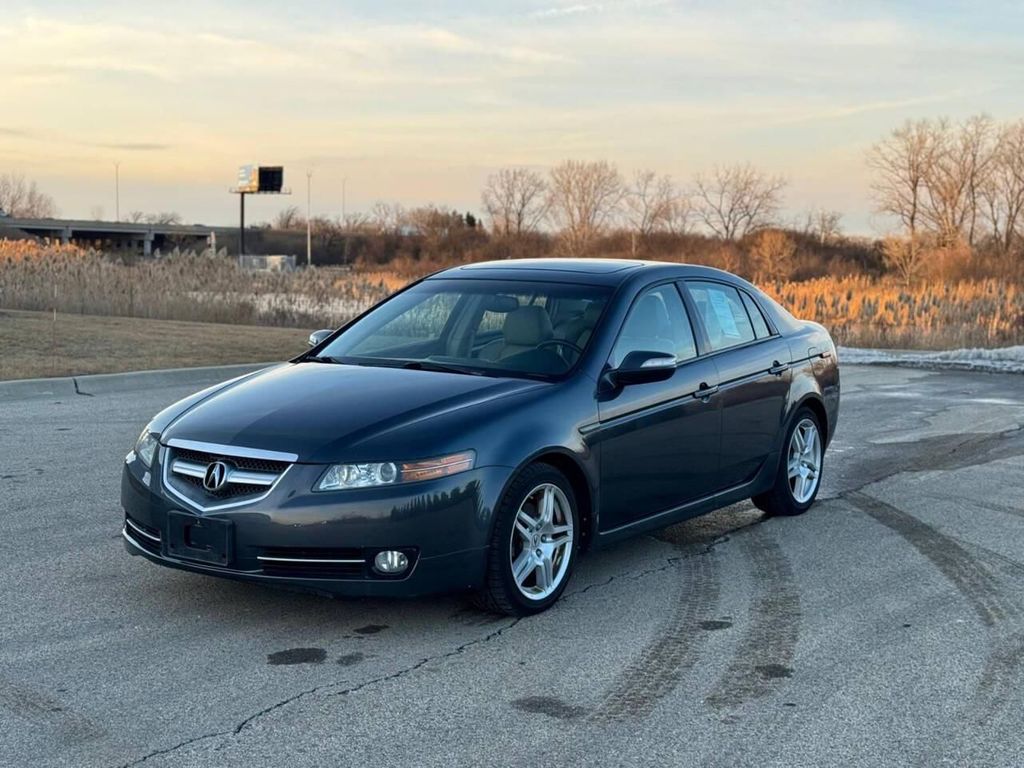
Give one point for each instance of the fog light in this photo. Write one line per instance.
(391, 561)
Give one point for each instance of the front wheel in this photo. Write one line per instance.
(534, 545)
(799, 475)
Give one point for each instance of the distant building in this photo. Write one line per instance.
(119, 236)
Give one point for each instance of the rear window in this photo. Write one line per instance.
(760, 324)
(725, 318)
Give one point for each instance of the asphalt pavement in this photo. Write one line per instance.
(884, 627)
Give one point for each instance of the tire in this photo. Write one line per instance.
(795, 495)
(556, 540)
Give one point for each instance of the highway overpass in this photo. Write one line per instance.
(113, 235)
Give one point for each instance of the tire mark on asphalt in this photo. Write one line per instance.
(936, 453)
(965, 572)
(999, 678)
(42, 710)
(764, 656)
(971, 577)
(658, 669)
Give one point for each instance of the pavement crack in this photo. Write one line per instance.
(328, 689)
(74, 382)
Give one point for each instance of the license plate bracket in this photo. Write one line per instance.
(205, 539)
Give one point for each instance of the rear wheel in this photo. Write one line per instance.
(799, 476)
(534, 545)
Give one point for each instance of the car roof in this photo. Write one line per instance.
(591, 271)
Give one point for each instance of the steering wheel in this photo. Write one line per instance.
(562, 343)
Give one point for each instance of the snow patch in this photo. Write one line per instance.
(999, 360)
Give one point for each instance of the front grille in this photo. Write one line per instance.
(313, 562)
(248, 477)
(145, 536)
(242, 462)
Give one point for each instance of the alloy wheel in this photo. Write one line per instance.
(804, 461)
(542, 542)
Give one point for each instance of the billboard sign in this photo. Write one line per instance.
(249, 178)
(260, 178)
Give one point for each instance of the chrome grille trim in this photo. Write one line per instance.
(265, 558)
(138, 530)
(233, 450)
(128, 537)
(227, 451)
(235, 476)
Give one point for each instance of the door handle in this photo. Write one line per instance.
(778, 368)
(704, 392)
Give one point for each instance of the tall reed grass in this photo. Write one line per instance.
(859, 311)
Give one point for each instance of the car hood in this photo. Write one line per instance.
(322, 412)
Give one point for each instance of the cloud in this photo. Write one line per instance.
(131, 146)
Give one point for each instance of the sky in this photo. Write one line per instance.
(418, 102)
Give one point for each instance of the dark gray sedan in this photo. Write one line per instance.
(483, 427)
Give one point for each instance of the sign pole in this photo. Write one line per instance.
(241, 228)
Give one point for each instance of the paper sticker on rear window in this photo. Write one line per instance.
(723, 312)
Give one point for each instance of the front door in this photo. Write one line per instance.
(658, 441)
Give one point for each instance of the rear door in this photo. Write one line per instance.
(753, 369)
(659, 443)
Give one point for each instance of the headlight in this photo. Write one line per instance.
(343, 476)
(145, 446)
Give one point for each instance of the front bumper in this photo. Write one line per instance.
(444, 525)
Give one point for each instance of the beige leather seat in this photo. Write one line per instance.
(578, 329)
(523, 330)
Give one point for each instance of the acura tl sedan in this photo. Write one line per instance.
(483, 427)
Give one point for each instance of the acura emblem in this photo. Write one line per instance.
(216, 476)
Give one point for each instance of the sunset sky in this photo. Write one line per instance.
(419, 102)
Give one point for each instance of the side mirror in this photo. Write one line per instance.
(316, 337)
(641, 367)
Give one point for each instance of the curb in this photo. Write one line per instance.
(107, 383)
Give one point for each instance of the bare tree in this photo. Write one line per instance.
(680, 215)
(979, 141)
(163, 218)
(904, 256)
(824, 225)
(961, 158)
(734, 200)
(650, 204)
(772, 255)
(902, 163)
(289, 218)
(387, 218)
(514, 200)
(135, 217)
(583, 198)
(22, 199)
(1002, 194)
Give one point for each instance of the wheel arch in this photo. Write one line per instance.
(817, 405)
(585, 492)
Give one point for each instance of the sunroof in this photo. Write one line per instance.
(588, 266)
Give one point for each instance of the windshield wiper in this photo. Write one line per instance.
(320, 359)
(430, 365)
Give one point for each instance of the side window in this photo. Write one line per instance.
(756, 316)
(657, 322)
(721, 309)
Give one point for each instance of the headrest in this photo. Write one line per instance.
(527, 326)
(649, 317)
(592, 312)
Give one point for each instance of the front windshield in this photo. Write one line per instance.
(487, 327)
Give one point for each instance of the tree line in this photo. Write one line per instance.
(953, 188)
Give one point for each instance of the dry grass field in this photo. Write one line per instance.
(114, 315)
(33, 344)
